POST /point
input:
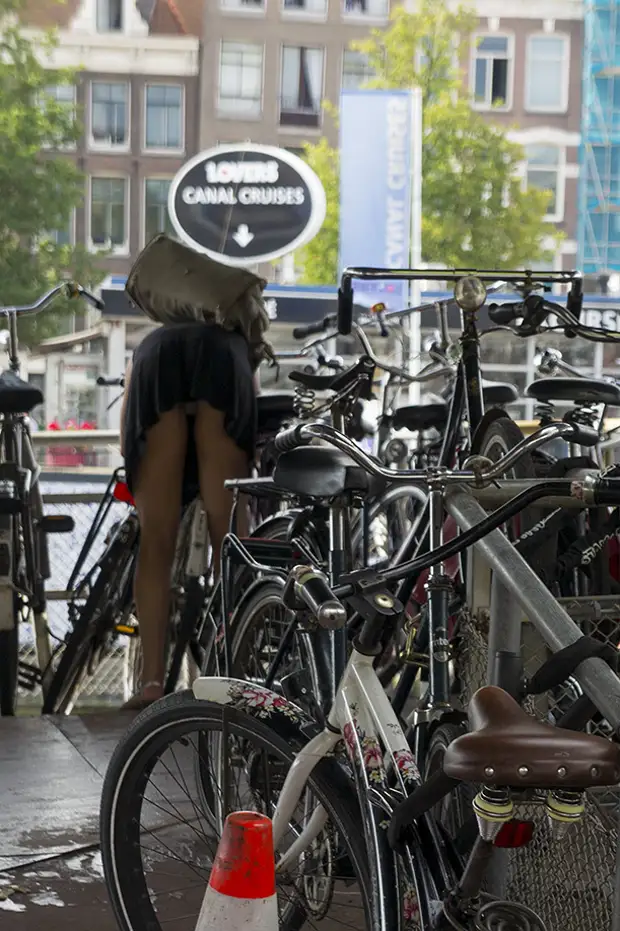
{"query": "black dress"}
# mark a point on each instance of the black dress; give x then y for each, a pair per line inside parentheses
(181, 363)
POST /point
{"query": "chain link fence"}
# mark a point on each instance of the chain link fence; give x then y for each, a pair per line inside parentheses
(79, 501)
(569, 882)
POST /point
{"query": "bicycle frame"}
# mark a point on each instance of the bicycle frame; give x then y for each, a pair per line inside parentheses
(384, 766)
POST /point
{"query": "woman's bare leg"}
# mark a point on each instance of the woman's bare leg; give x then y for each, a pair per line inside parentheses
(219, 459)
(158, 497)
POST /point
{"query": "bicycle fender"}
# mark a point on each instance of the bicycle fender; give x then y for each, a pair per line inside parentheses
(288, 720)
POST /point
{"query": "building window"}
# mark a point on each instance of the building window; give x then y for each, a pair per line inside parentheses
(356, 70)
(251, 6)
(492, 70)
(301, 86)
(164, 116)
(373, 9)
(310, 7)
(156, 218)
(109, 15)
(65, 235)
(546, 74)
(544, 164)
(109, 116)
(62, 94)
(108, 213)
(241, 78)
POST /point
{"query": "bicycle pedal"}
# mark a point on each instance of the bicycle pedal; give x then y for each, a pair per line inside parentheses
(56, 523)
(28, 677)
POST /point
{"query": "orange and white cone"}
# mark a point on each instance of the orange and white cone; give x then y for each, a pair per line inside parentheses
(242, 887)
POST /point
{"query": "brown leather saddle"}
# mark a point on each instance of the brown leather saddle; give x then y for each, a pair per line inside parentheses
(508, 747)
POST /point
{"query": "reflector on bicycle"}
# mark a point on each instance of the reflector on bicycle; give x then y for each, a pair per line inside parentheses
(121, 493)
(515, 834)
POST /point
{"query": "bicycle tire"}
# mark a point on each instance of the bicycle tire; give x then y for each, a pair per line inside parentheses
(498, 433)
(64, 684)
(122, 798)
(9, 667)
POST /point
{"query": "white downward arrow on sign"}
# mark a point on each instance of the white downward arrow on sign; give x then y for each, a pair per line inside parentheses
(243, 237)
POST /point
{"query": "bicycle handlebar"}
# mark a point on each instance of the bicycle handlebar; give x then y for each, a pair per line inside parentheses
(108, 382)
(70, 290)
(303, 434)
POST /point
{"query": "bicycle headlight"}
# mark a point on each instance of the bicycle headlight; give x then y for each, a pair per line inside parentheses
(470, 293)
(395, 451)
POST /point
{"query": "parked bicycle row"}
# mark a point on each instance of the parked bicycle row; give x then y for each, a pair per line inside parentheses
(362, 672)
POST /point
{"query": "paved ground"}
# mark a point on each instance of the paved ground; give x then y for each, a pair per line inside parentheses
(51, 877)
(51, 772)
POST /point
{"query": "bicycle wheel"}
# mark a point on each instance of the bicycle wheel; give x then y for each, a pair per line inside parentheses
(257, 632)
(495, 437)
(148, 828)
(109, 598)
(9, 664)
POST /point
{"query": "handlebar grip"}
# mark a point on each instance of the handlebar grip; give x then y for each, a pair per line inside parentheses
(584, 435)
(607, 491)
(305, 584)
(345, 308)
(503, 314)
(102, 381)
(97, 303)
(289, 439)
(302, 332)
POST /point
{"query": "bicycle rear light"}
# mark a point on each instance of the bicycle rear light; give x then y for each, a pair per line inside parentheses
(515, 834)
(121, 493)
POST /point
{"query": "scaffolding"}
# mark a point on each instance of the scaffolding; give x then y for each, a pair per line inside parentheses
(599, 187)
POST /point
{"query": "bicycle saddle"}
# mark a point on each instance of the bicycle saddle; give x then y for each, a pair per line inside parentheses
(273, 409)
(420, 416)
(17, 396)
(579, 390)
(336, 382)
(499, 392)
(508, 747)
(322, 472)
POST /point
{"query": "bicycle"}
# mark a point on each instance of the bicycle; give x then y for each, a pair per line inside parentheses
(24, 558)
(409, 873)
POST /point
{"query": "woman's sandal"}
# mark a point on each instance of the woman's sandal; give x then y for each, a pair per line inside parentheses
(141, 701)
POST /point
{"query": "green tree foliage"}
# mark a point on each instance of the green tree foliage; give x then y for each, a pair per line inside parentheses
(474, 207)
(40, 188)
(319, 258)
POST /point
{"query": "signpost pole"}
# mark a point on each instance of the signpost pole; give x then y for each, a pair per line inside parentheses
(415, 245)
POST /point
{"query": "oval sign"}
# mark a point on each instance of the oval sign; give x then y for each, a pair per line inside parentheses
(243, 204)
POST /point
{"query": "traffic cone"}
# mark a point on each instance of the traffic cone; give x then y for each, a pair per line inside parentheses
(242, 887)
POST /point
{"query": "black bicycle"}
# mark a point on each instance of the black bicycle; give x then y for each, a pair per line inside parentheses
(24, 559)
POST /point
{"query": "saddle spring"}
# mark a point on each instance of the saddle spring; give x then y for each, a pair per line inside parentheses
(303, 401)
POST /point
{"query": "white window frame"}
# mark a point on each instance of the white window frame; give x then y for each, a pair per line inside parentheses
(565, 76)
(163, 150)
(342, 63)
(294, 14)
(222, 110)
(95, 146)
(71, 146)
(154, 177)
(292, 128)
(560, 199)
(239, 8)
(123, 249)
(483, 105)
(103, 32)
(360, 17)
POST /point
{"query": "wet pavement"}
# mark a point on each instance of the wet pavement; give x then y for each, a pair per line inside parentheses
(51, 773)
(51, 875)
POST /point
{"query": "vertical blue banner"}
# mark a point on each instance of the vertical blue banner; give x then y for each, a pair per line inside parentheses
(375, 188)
